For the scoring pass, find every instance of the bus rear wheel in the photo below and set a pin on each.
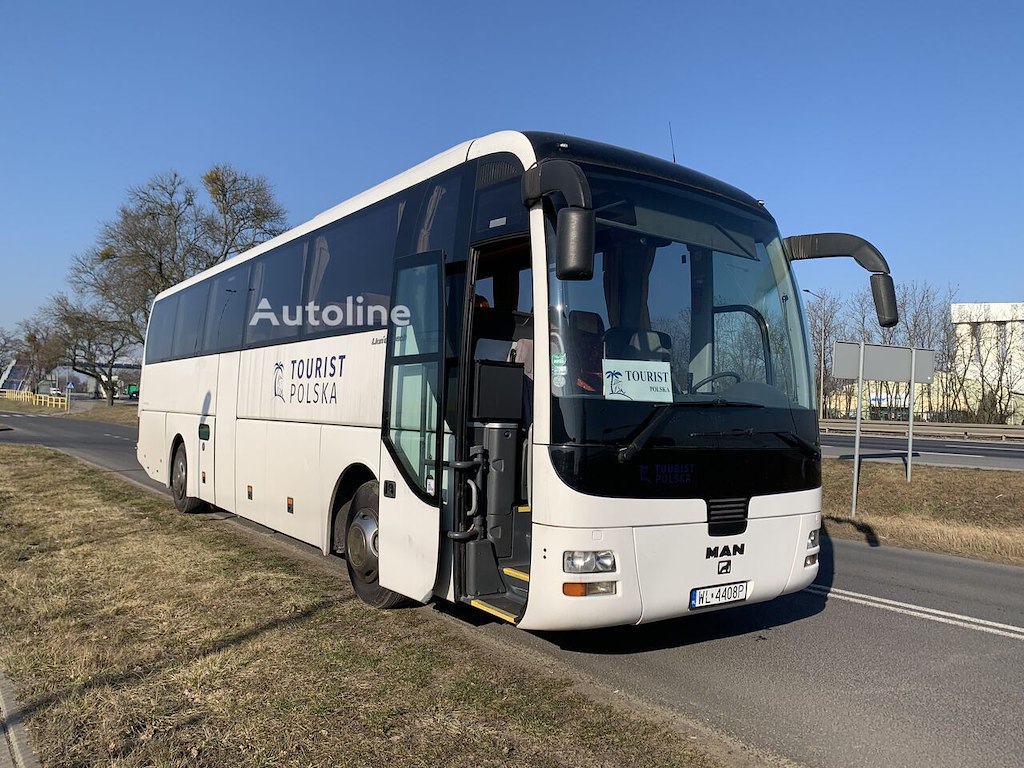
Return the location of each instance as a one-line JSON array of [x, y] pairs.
[[361, 549], [179, 482]]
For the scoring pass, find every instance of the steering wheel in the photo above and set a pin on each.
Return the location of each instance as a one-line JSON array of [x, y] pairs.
[[713, 376]]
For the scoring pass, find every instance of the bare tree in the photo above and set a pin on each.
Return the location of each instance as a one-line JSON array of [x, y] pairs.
[[10, 347], [826, 309], [92, 342], [41, 346], [164, 233]]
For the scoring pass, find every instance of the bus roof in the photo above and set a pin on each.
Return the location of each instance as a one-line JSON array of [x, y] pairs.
[[543, 145], [551, 145]]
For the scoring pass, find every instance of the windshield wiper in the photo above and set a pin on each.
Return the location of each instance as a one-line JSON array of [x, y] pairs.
[[661, 412], [787, 436]]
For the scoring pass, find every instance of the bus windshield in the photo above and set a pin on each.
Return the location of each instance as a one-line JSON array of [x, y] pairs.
[[692, 301]]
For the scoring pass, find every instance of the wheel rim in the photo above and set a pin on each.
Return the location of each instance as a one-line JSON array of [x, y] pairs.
[[361, 546], [178, 480]]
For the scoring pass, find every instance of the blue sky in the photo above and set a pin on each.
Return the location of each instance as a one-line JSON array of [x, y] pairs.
[[901, 122]]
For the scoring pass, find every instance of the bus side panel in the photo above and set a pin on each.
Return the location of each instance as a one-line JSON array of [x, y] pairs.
[[333, 380], [224, 440], [293, 461], [152, 447], [181, 386], [207, 426], [340, 448], [251, 460]]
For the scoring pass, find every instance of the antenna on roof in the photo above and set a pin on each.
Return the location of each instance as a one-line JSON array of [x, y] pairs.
[[672, 141]]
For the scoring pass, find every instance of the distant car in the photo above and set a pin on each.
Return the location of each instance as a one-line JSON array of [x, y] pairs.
[[55, 392]]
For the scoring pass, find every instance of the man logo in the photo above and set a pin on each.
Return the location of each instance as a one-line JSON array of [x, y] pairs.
[[713, 553], [724, 566]]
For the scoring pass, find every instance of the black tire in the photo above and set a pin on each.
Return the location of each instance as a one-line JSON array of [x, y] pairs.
[[361, 554], [179, 483]]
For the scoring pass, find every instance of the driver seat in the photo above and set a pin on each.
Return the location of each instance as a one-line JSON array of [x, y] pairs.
[[625, 343]]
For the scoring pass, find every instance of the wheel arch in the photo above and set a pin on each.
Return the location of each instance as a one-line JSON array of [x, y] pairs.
[[349, 481]]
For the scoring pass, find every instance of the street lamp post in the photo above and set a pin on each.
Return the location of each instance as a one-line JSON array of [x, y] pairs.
[[821, 379]]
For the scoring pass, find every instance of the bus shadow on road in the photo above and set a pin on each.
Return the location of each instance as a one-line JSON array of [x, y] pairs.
[[753, 620]]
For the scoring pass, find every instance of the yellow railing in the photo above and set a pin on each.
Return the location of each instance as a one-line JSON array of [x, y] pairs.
[[46, 401]]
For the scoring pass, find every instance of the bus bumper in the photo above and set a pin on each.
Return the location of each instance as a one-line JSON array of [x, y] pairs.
[[658, 567]]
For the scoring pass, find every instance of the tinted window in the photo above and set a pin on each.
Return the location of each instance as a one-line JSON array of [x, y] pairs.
[[188, 327], [350, 272], [225, 315], [161, 329], [437, 225], [500, 210], [276, 289]]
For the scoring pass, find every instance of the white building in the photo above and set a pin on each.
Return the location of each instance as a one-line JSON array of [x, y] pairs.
[[992, 339]]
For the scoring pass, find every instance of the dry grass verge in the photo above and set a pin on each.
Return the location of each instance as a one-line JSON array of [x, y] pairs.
[[125, 414], [137, 636], [21, 406], [118, 413], [970, 512]]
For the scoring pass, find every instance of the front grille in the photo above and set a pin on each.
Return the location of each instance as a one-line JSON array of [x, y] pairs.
[[727, 517]]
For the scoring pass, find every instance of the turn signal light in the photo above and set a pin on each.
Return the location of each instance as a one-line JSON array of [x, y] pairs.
[[575, 589], [810, 560]]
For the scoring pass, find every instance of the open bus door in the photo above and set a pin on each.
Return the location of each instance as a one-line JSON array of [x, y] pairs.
[[412, 429]]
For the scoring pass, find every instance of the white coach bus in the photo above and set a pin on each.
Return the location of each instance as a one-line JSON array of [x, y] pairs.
[[562, 382]]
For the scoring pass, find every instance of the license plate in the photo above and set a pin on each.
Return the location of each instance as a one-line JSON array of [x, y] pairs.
[[723, 593]]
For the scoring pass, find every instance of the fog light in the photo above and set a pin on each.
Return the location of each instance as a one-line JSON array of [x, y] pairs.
[[576, 589], [812, 538], [810, 560], [588, 562]]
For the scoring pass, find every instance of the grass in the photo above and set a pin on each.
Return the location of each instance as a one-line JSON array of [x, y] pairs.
[[970, 512], [137, 636], [120, 413], [21, 406]]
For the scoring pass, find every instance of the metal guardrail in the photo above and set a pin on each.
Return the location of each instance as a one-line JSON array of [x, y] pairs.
[[46, 401], [997, 432]]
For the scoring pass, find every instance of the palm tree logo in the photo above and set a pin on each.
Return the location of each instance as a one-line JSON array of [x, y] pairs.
[[615, 384], [279, 381]]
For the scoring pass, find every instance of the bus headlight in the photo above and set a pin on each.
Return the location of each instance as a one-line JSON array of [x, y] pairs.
[[576, 561], [812, 539]]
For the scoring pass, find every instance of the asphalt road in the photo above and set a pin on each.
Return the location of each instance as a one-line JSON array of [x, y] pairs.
[[947, 453], [893, 657]]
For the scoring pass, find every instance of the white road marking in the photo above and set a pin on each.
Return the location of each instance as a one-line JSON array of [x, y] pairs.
[[116, 437], [963, 455], [918, 611]]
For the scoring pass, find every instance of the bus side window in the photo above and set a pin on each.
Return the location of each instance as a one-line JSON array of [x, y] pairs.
[[188, 328], [161, 329], [225, 315], [353, 260], [276, 288]]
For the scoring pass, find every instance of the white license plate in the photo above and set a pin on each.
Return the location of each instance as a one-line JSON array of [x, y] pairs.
[[723, 593]]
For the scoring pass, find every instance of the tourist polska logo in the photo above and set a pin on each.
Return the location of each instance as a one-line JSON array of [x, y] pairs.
[[309, 380], [314, 379]]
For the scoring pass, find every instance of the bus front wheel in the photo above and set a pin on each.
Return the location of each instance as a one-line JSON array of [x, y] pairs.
[[361, 549], [179, 482]]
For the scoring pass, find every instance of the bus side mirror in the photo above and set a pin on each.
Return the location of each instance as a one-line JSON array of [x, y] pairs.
[[836, 244], [884, 294], [574, 251], [574, 257]]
